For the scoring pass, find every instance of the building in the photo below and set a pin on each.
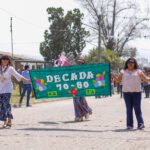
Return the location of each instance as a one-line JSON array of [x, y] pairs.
[[19, 60]]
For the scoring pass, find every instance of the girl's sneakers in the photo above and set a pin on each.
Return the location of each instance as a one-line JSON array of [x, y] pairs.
[[141, 126], [129, 128]]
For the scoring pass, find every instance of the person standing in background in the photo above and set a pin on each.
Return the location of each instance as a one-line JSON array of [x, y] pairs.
[[21, 68], [112, 86], [27, 86], [146, 89]]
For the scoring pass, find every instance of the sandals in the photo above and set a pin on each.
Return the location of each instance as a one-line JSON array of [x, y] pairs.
[[7, 124], [87, 116], [78, 119]]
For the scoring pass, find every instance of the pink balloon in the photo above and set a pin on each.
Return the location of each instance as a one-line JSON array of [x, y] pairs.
[[38, 81]]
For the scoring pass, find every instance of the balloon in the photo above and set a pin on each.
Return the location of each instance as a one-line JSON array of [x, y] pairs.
[[102, 77], [98, 75], [99, 83], [98, 78], [42, 81], [37, 84], [96, 85], [94, 81], [37, 80], [41, 88]]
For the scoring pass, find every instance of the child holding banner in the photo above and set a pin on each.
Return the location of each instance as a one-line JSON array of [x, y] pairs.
[[80, 104], [81, 107], [131, 77], [6, 87]]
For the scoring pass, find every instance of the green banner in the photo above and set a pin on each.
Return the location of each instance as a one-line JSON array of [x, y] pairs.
[[70, 81]]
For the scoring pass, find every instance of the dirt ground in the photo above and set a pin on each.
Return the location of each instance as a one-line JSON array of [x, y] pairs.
[[51, 126]]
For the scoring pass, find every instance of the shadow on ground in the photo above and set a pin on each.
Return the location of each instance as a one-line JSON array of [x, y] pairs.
[[76, 130], [49, 123]]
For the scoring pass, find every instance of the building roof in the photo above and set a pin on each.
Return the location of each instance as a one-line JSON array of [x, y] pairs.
[[18, 57]]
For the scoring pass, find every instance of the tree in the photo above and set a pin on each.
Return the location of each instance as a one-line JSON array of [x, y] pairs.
[[119, 21], [107, 56], [143, 62], [65, 34], [129, 52]]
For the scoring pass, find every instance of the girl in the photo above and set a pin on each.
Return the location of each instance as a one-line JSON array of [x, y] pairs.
[[81, 107], [80, 104], [131, 77], [6, 87]]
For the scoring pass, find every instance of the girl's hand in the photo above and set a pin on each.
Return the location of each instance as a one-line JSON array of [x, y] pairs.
[[112, 75], [117, 78], [27, 80]]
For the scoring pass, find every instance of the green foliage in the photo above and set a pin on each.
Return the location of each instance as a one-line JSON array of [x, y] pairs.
[[107, 56], [65, 33]]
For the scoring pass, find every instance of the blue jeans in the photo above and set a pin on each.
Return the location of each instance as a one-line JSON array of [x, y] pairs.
[[28, 88], [133, 101]]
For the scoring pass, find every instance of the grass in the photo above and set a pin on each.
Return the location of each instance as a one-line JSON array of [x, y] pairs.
[[16, 96]]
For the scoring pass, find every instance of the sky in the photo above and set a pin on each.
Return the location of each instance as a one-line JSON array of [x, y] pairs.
[[30, 20]]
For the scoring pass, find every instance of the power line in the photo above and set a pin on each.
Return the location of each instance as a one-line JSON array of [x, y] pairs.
[[21, 19]]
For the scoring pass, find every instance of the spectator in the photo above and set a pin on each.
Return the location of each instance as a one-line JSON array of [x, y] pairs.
[[146, 87], [21, 68], [112, 86], [27, 86]]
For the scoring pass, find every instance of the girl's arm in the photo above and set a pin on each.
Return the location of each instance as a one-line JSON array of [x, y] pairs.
[[18, 76], [24, 79], [144, 77], [117, 78]]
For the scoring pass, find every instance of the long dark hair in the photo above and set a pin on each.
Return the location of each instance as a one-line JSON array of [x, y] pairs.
[[133, 60], [5, 57]]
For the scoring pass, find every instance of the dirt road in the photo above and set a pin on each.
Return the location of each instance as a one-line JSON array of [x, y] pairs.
[[50, 126]]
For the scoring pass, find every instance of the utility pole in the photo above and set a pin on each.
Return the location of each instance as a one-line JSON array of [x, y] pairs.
[[99, 37], [11, 32]]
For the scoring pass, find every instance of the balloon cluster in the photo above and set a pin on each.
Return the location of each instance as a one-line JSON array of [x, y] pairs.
[[64, 59], [100, 80], [40, 84]]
